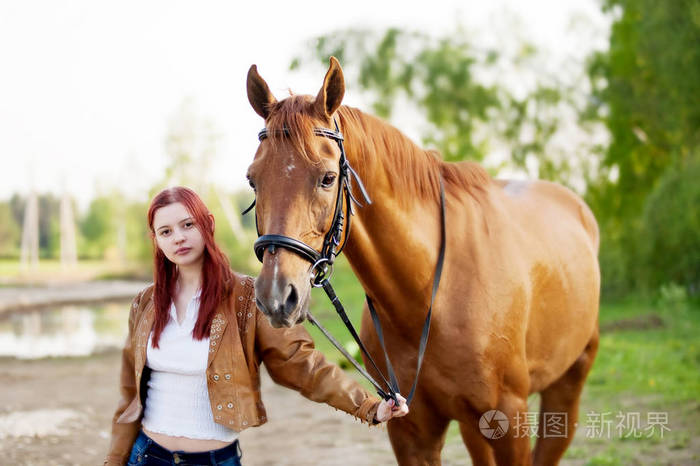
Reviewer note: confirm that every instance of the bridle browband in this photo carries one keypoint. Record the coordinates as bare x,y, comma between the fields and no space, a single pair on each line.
322,266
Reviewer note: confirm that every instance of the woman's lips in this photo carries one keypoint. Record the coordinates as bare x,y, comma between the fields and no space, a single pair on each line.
182,251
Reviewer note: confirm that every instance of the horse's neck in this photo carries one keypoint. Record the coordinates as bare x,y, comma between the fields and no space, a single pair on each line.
394,245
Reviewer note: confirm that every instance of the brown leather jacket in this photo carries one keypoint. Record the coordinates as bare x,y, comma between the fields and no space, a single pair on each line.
241,337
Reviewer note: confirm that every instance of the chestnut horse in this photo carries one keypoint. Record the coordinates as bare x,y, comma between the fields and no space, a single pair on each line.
517,307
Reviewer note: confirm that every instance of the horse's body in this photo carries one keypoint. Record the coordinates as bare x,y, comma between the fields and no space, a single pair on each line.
517,307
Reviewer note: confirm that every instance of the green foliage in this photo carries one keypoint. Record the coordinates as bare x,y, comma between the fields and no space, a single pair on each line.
115,228
49,226
49,211
670,235
645,89
435,75
439,77
10,234
98,228
138,240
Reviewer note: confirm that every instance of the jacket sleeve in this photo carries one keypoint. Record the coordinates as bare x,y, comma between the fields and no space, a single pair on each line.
292,361
124,434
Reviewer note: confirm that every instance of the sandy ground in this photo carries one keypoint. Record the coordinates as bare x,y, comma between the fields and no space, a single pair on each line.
58,412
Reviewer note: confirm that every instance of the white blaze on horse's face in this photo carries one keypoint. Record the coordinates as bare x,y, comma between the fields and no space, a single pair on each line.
295,192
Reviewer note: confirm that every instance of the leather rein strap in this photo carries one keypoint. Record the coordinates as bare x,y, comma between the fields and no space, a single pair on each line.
323,263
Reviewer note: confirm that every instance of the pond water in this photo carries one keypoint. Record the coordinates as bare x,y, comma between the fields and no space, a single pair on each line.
79,330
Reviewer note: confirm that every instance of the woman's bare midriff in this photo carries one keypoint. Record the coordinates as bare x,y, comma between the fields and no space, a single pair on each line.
190,445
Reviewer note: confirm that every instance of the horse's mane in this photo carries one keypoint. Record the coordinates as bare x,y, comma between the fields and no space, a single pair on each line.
414,171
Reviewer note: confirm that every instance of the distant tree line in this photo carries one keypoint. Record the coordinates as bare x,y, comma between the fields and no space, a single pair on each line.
113,228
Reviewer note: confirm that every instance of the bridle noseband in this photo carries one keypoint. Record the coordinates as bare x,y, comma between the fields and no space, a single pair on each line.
322,261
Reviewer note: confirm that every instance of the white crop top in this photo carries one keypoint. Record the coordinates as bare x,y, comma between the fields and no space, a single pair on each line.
177,400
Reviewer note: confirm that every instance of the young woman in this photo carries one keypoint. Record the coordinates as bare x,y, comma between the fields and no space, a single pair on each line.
190,377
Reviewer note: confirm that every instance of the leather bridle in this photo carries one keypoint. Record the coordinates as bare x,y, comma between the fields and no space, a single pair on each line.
322,265
322,261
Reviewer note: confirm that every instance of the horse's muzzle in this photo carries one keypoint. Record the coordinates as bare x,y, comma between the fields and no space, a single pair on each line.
284,308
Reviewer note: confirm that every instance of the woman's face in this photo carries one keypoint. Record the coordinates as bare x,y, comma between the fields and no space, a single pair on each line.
177,235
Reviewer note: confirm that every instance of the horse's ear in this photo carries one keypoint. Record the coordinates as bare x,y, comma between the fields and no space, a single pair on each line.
331,94
259,94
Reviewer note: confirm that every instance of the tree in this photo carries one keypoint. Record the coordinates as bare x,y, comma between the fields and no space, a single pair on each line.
9,231
670,242
458,89
646,90
98,227
49,214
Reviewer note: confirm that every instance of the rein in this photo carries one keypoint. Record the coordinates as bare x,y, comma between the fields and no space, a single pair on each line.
322,268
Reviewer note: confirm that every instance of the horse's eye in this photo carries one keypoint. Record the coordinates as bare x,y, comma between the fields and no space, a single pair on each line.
328,180
251,183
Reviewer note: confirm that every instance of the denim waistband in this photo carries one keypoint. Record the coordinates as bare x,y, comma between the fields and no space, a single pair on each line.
185,458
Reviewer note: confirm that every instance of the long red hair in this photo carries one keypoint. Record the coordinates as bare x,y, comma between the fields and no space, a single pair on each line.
217,277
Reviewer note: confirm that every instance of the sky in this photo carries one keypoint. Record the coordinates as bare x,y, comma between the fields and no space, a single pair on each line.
87,87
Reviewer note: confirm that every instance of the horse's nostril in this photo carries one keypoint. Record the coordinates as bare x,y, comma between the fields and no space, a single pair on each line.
261,306
292,300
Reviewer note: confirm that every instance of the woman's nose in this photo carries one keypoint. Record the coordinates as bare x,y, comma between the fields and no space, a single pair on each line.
179,237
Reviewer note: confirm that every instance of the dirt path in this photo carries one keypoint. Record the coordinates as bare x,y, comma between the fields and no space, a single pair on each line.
58,412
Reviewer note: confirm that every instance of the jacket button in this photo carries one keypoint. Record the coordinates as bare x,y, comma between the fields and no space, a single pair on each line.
216,377
229,406
245,423
219,407
227,376
240,298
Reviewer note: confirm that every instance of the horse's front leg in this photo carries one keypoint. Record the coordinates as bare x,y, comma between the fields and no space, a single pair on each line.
513,449
418,438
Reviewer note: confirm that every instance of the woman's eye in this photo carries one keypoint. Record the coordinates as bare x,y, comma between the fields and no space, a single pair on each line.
328,180
164,232
189,225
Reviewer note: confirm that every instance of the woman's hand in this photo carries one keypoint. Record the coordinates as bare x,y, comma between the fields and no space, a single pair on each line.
387,409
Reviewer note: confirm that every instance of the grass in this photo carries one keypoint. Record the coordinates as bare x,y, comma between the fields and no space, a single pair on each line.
648,362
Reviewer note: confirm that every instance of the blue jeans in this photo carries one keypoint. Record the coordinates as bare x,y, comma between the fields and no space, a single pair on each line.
146,452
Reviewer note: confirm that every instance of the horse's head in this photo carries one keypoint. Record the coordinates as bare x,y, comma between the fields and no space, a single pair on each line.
295,175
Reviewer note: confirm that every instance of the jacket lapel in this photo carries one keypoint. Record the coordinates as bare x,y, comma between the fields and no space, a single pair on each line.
218,325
